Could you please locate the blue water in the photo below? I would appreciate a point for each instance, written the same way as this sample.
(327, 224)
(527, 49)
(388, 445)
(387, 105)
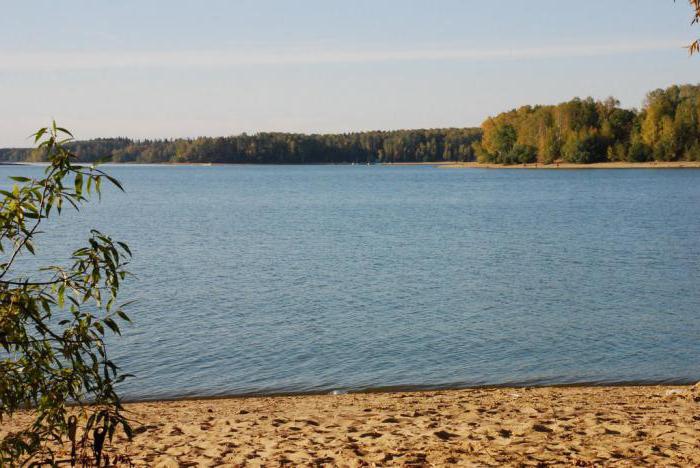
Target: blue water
(264, 279)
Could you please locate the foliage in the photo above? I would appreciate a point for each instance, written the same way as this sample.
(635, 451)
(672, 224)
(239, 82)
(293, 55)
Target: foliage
(53, 323)
(670, 123)
(694, 46)
(280, 148)
(587, 131)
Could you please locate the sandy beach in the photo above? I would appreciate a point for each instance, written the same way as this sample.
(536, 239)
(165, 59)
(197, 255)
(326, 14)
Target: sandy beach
(573, 426)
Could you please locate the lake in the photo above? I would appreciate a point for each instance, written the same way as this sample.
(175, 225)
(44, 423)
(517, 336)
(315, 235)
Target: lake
(276, 279)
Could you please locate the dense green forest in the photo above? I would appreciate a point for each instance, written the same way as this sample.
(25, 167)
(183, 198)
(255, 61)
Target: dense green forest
(279, 148)
(586, 131)
(667, 128)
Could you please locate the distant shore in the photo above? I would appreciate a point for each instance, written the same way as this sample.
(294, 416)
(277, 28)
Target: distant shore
(574, 426)
(434, 163)
(441, 164)
(604, 165)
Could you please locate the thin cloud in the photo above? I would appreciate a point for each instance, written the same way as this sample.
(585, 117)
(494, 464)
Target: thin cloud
(86, 60)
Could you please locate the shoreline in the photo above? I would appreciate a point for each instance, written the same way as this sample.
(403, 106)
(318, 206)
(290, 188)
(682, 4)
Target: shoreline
(584, 426)
(417, 389)
(562, 166)
(437, 164)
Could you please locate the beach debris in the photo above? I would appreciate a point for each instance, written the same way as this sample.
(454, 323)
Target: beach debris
(675, 393)
(695, 392)
(338, 392)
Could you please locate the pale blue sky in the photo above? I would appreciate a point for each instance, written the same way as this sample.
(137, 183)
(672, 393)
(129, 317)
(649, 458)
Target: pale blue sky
(186, 68)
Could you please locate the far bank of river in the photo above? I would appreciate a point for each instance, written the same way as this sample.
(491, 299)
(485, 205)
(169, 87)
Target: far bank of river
(441, 164)
(604, 165)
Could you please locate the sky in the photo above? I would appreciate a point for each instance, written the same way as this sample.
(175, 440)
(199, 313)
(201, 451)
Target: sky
(186, 68)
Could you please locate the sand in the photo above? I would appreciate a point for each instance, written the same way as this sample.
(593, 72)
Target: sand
(572, 426)
(605, 165)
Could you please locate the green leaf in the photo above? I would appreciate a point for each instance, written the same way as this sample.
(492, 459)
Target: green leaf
(127, 430)
(125, 247)
(78, 183)
(112, 325)
(115, 182)
(123, 316)
(61, 353)
(61, 129)
(39, 134)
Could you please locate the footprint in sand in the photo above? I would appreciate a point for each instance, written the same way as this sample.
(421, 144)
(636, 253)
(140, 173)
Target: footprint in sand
(390, 456)
(444, 435)
(505, 433)
(419, 459)
(142, 429)
(541, 428)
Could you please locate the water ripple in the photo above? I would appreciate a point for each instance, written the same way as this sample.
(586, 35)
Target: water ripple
(311, 279)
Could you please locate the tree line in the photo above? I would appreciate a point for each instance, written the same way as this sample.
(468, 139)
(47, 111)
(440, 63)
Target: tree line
(452, 144)
(667, 128)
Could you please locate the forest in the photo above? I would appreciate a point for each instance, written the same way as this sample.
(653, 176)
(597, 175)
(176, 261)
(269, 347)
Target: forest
(278, 148)
(667, 128)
